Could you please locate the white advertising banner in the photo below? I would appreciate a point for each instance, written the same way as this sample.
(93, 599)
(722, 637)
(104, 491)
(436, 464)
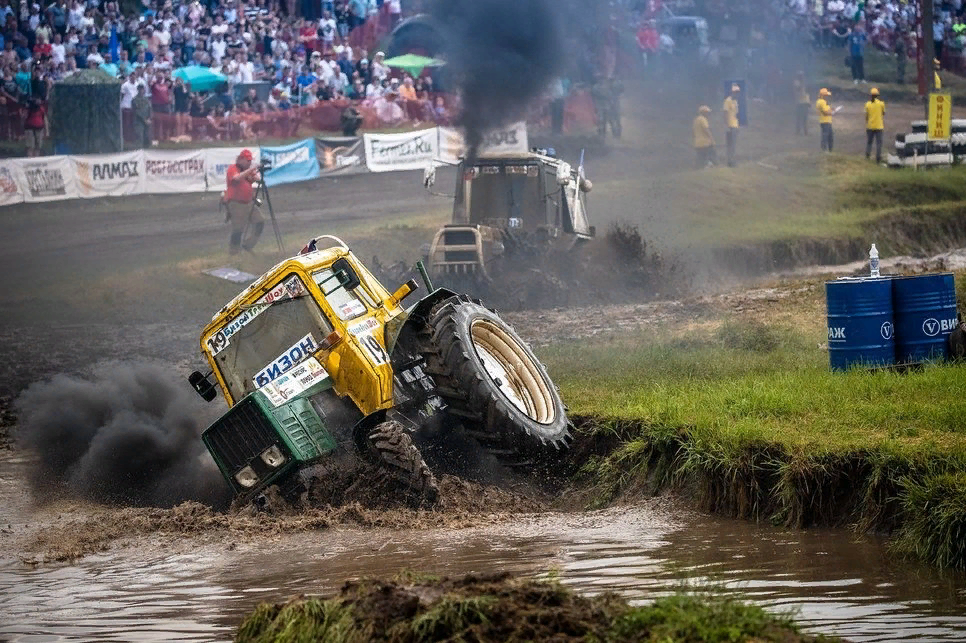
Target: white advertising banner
(217, 161)
(47, 178)
(511, 139)
(174, 171)
(109, 174)
(11, 181)
(407, 151)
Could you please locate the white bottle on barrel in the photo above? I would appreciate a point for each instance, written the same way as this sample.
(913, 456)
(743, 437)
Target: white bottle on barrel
(874, 261)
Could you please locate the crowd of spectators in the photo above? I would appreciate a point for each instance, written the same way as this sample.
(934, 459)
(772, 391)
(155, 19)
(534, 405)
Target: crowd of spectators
(306, 52)
(890, 26)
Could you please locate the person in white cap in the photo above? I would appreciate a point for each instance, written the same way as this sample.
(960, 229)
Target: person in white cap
(379, 69)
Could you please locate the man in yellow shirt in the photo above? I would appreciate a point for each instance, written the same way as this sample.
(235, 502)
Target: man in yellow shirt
(801, 104)
(703, 139)
(937, 82)
(825, 119)
(874, 124)
(731, 122)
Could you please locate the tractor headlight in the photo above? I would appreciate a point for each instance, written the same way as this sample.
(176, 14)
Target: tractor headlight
(247, 477)
(273, 457)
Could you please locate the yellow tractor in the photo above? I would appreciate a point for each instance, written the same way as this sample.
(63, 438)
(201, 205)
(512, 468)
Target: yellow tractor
(317, 355)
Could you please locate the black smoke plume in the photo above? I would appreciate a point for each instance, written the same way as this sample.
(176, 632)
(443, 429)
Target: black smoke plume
(128, 436)
(501, 54)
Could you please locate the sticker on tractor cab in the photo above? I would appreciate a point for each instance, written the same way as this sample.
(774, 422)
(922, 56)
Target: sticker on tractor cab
(351, 308)
(219, 341)
(364, 326)
(288, 289)
(301, 349)
(374, 348)
(299, 379)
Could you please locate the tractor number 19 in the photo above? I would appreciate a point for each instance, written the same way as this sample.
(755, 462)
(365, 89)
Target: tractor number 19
(377, 352)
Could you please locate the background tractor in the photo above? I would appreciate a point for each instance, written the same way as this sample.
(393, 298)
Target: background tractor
(316, 356)
(508, 212)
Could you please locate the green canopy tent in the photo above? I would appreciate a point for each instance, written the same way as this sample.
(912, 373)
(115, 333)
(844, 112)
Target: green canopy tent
(413, 63)
(85, 114)
(200, 79)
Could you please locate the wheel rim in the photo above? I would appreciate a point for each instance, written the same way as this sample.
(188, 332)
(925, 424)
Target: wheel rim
(513, 372)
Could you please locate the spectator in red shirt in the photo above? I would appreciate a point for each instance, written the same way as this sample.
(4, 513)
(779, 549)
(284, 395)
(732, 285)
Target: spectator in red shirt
(34, 125)
(243, 212)
(161, 99)
(648, 40)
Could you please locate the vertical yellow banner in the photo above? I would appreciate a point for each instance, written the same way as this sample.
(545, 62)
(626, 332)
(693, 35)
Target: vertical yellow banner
(940, 117)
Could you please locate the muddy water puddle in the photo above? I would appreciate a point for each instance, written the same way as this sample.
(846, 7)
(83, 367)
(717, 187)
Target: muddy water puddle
(836, 584)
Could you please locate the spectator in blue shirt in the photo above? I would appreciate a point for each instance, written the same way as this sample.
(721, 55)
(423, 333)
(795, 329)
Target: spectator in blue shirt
(938, 34)
(857, 42)
(305, 78)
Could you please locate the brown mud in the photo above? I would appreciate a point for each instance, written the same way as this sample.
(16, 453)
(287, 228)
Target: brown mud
(80, 529)
(497, 607)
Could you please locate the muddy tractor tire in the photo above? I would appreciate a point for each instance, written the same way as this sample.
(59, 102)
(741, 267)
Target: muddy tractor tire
(494, 384)
(392, 451)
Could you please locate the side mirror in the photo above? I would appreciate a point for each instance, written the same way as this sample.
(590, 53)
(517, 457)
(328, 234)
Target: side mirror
(346, 274)
(202, 386)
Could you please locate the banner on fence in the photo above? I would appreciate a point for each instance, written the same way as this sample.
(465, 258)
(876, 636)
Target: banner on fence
(291, 163)
(340, 155)
(174, 171)
(511, 139)
(406, 151)
(47, 178)
(10, 182)
(109, 174)
(219, 159)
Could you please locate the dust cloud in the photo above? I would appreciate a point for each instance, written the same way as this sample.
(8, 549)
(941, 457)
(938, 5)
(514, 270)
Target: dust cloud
(502, 55)
(129, 435)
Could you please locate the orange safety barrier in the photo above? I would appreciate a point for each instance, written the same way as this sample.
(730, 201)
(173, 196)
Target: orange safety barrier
(326, 116)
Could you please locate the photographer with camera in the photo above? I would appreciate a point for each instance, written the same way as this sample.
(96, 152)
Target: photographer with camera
(239, 197)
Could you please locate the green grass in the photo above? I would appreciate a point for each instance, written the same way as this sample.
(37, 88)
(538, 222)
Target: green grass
(503, 609)
(746, 414)
(693, 617)
(303, 622)
(773, 386)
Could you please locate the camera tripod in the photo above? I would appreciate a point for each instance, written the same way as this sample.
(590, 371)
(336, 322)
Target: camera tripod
(261, 195)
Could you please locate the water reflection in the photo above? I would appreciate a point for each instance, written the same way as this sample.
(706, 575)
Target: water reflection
(837, 584)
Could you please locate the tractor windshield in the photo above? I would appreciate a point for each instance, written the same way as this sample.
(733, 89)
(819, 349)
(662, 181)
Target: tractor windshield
(498, 194)
(269, 338)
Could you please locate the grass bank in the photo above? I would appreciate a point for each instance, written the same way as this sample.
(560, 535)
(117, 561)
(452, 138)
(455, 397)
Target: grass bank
(498, 608)
(801, 210)
(740, 411)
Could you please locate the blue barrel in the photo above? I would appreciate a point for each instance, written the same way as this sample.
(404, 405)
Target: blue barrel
(860, 325)
(925, 314)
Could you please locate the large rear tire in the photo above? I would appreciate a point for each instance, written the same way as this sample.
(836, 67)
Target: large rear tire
(493, 382)
(391, 449)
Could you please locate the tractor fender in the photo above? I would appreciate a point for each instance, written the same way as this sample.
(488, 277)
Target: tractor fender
(364, 427)
(416, 318)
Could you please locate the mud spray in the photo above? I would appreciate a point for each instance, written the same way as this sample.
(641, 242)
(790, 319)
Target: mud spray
(129, 435)
(502, 54)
